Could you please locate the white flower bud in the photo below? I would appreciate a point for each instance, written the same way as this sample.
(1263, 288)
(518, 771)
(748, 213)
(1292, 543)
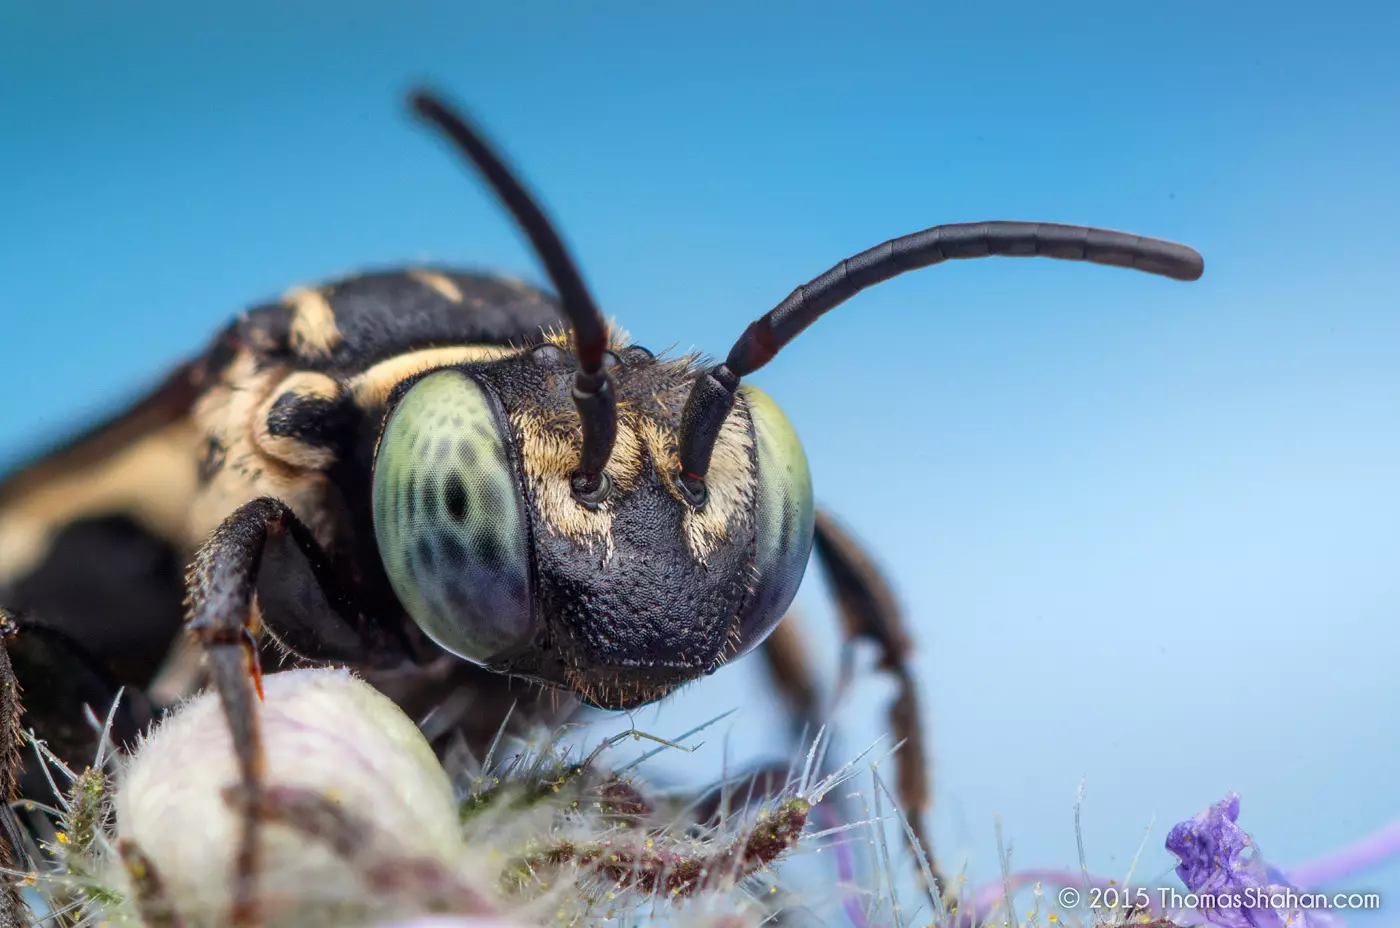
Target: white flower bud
(323, 730)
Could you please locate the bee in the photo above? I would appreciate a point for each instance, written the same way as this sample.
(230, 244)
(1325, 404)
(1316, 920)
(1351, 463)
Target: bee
(448, 481)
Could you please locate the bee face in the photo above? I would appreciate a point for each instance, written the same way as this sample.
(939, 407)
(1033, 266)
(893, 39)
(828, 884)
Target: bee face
(621, 598)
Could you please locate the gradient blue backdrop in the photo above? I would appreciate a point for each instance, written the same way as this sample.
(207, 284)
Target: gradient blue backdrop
(1146, 532)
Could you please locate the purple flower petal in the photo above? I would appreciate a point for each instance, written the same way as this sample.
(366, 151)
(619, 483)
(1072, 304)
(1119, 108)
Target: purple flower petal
(1232, 885)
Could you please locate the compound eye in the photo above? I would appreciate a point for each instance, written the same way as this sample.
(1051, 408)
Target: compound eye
(784, 518)
(450, 519)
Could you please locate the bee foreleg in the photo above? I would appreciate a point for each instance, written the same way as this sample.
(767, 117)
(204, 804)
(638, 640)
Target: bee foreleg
(262, 548)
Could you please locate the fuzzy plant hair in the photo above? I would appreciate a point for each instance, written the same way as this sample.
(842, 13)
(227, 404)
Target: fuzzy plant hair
(369, 828)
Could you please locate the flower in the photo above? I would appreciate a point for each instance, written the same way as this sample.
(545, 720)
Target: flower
(325, 731)
(1231, 885)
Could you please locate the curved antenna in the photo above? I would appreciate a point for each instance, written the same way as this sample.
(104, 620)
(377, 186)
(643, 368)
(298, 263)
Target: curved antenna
(593, 390)
(712, 397)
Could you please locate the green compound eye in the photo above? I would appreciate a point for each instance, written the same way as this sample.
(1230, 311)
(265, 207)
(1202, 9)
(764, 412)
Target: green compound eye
(450, 520)
(783, 520)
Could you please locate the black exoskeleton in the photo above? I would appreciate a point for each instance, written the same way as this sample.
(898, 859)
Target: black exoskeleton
(449, 481)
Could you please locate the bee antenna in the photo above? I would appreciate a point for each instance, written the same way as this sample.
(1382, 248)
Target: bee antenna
(712, 396)
(593, 389)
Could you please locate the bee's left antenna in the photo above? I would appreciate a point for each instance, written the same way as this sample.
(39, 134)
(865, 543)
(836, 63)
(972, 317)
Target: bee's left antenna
(593, 389)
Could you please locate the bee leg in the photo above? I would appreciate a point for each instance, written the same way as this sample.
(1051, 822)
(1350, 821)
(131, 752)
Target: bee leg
(262, 550)
(869, 611)
(790, 669)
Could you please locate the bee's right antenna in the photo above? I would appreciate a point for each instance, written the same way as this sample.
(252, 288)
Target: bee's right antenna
(712, 397)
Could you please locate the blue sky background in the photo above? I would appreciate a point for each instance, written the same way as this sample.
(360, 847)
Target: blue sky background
(1146, 532)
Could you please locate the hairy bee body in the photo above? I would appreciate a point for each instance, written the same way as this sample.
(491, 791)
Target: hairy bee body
(286, 402)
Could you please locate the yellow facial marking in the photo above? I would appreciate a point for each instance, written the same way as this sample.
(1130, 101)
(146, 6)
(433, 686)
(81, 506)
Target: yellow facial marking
(551, 453)
(730, 481)
(372, 388)
(286, 448)
(314, 332)
(439, 282)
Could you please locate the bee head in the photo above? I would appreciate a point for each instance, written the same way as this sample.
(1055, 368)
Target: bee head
(594, 517)
(620, 594)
